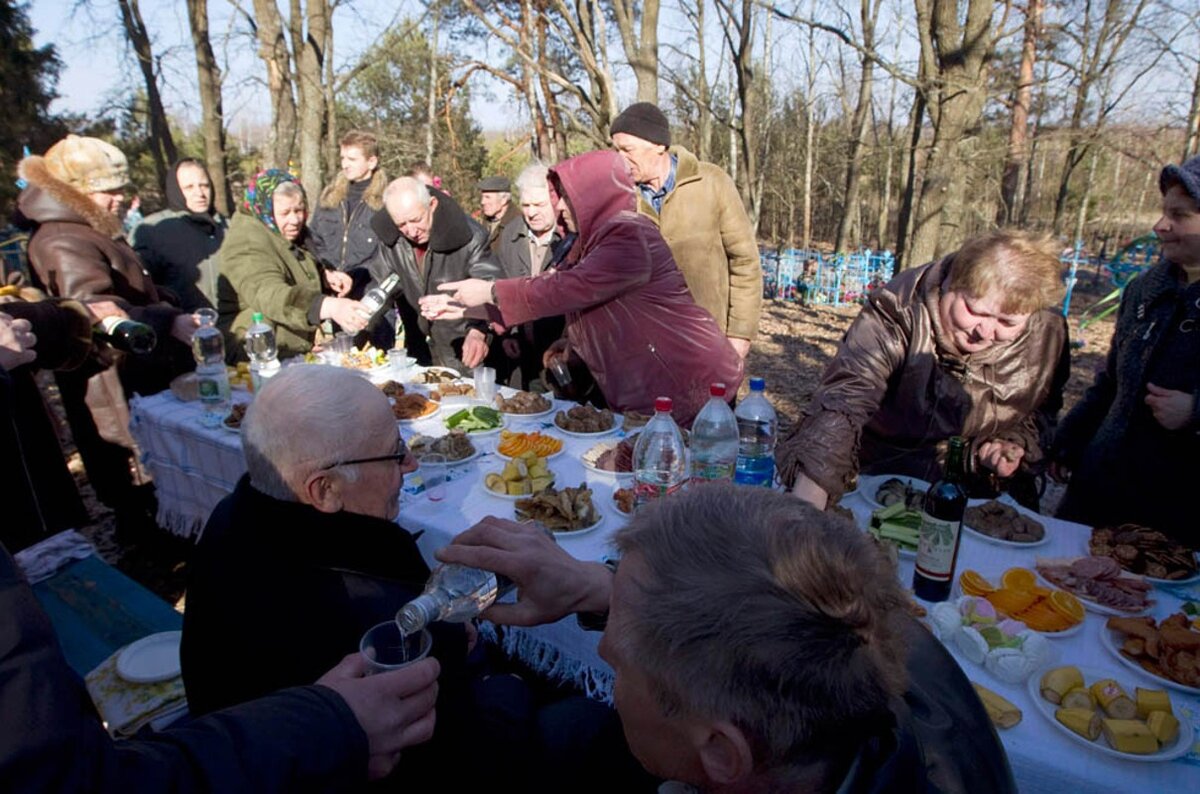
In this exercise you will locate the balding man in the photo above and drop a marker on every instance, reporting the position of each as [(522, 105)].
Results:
[(428, 240), (702, 218)]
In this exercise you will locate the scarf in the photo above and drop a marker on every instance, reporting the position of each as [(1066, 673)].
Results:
[(259, 200)]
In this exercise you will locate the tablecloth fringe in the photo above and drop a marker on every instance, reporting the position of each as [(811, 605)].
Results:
[(550, 662), (181, 524)]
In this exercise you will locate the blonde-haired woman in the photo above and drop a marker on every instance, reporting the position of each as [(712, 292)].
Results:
[(964, 346)]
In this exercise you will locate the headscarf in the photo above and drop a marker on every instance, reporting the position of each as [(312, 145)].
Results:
[(259, 200)]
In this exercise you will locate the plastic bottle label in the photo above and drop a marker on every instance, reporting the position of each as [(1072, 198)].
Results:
[(711, 471), (648, 491), (209, 389), (935, 549)]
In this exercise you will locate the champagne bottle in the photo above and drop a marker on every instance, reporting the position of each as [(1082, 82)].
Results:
[(941, 529), (127, 335)]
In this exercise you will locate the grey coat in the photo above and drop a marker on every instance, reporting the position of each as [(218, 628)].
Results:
[(457, 250), (1125, 466), (180, 251)]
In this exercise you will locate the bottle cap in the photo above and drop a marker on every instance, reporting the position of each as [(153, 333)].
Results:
[(716, 390), (757, 384), (663, 404), (258, 317)]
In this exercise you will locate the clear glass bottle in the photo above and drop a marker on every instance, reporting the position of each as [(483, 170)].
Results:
[(714, 441), (757, 426), (659, 457), (261, 348), (212, 381), (454, 594), (941, 529), (377, 297)]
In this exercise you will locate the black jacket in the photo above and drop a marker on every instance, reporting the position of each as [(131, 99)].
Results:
[(340, 235), (457, 250), (512, 249), (299, 740)]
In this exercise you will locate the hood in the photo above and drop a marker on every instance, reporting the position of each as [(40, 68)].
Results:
[(335, 193), (451, 229), (598, 187), (48, 199), (176, 200)]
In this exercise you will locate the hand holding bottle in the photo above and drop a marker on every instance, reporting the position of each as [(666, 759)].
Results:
[(16, 342), (350, 315)]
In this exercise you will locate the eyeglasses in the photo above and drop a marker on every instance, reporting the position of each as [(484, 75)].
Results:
[(398, 457)]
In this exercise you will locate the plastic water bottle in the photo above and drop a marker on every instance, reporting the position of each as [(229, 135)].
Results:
[(659, 456), (260, 347), (756, 438), (715, 440), (212, 381)]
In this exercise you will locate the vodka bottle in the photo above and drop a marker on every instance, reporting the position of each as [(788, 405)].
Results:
[(659, 457), (756, 438), (714, 448), (941, 529), (455, 594), (260, 347), (208, 346), (377, 297), (125, 334)]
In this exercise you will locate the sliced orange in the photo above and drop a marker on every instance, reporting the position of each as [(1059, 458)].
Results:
[(974, 584), (1011, 602), (1018, 579), (1066, 605)]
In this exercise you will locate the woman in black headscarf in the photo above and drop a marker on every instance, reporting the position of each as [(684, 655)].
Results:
[(179, 245)]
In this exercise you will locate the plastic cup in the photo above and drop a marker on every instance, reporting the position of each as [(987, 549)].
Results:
[(433, 474), (485, 383), (399, 362), (342, 342), (384, 648)]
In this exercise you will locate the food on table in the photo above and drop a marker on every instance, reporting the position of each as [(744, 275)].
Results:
[(452, 390), (1003, 522), (391, 388), (584, 419), (1020, 597), (513, 444), (1000, 711), (523, 475), (626, 499), (898, 491), (634, 420), (1005, 647), (236, 414), (568, 510), (412, 406), (455, 445), (608, 456), (477, 419), (1170, 649), (1144, 551), (437, 376), (897, 524), (1099, 580), (367, 358), (239, 376), (1192, 610), (1111, 712), (523, 402)]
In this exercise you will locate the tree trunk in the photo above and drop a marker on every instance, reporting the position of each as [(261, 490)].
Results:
[(1012, 183), (641, 48), (273, 49), (1081, 218), (910, 179), (704, 124), (1191, 144), (809, 139), (858, 133), (162, 146), (310, 71), (212, 119), (431, 105)]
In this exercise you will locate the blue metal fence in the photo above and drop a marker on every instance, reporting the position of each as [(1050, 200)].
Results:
[(810, 276)]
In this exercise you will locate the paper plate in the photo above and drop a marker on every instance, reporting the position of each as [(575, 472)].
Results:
[(151, 659)]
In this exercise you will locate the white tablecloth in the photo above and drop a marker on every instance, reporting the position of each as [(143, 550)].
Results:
[(194, 467)]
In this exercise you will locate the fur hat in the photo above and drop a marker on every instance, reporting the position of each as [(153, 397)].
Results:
[(88, 164), (1186, 175), (643, 120)]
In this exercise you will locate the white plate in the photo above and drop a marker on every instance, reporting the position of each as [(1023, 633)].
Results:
[(509, 497), (561, 450), (462, 461), (1089, 604), (1175, 582), (429, 415), (229, 429), (596, 451), (577, 532), (151, 659), (418, 372), (868, 484), (1110, 639), (1180, 747), (538, 415), (1012, 544)]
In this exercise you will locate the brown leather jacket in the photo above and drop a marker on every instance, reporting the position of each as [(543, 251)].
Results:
[(894, 393)]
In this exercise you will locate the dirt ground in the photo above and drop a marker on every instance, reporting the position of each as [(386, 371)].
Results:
[(794, 345)]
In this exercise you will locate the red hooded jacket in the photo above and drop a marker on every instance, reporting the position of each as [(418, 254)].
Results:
[(630, 316)]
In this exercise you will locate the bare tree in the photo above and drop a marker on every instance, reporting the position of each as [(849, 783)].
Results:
[(273, 49), (869, 16), (1013, 182), (309, 56), (162, 146), (212, 117), (738, 18), (641, 46)]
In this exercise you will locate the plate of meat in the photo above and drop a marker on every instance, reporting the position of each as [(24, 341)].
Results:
[(585, 421), (1165, 651), (1002, 524), (1099, 583), (612, 458), (1146, 552)]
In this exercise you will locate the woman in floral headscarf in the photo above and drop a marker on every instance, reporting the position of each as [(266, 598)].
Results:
[(265, 268)]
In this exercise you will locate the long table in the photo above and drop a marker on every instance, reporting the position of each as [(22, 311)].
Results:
[(196, 466)]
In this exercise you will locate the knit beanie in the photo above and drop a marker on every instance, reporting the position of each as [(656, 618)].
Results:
[(643, 120), (1186, 175), (88, 164)]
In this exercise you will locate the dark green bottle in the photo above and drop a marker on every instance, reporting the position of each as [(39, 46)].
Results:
[(941, 529)]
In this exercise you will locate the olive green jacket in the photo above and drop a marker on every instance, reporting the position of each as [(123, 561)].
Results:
[(263, 272), (710, 236)]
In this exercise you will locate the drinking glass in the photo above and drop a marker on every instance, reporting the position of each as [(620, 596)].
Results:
[(433, 474), (485, 383), (384, 648), (399, 362)]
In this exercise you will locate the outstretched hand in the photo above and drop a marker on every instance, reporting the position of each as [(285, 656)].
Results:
[(441, 307), (1172, 409)]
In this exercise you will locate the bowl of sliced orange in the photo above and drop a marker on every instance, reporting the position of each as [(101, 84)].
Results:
[(1018, 595)]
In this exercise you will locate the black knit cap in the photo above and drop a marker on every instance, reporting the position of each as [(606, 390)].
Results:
[(643, 120), (1186, 175)]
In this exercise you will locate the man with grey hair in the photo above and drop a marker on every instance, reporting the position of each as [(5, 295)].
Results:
[(495, 207), (526, 246), (427, 239)]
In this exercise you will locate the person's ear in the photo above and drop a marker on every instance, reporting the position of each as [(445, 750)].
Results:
[(372, 164), (724, 753), (432, 203), (323, 491)]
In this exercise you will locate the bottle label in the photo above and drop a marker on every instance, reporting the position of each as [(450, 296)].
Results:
[(209, 389), (935, 549), (648, 491), (711, 471), (109, 324)]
